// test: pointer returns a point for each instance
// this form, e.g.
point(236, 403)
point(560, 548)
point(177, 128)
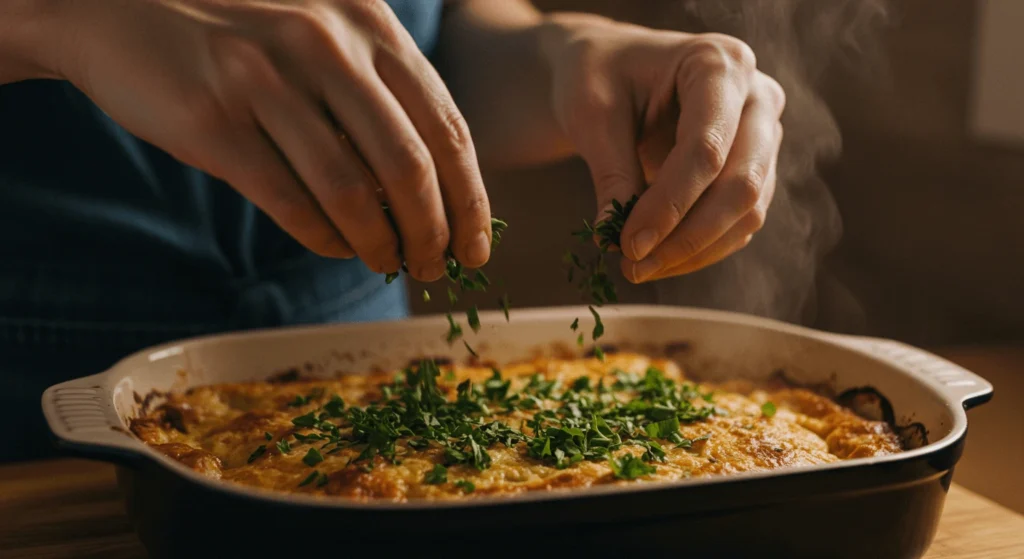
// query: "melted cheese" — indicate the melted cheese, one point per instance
point(215, 429)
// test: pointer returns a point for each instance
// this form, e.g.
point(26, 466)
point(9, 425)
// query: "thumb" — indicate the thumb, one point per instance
point(610, 151)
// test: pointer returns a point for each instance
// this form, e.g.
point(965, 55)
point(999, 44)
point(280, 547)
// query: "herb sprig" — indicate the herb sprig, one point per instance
point(591, 274)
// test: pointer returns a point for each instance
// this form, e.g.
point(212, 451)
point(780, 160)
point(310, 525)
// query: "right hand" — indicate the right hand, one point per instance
point(312, 109)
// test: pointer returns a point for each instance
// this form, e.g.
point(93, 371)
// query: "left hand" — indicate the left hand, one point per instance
point(691, 116)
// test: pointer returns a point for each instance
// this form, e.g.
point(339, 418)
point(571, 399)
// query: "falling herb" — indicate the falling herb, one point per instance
point(599, 353)
point(579, 340)
point(598, 325)
point(454, 330)
point(473, 318)
point(452, 298)
point(390, 277)
point(436, 476)
point(504, 305)
point(575, 325)
point(465, 485)
point(768, 410)
point(591, 276)
point(470, 349)
point(426, 296)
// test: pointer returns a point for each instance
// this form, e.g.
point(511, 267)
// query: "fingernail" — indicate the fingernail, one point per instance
point(643, 242)
point(478, 250)
point(645, 269)
point(432, 270)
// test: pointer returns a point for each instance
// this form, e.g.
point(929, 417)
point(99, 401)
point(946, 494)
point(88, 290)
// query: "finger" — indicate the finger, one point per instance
point(734, 240)
point(730, 197)
point(248, 161)
point(386, 139)
point(329, 168)
point(711, 103)
point(423, 95)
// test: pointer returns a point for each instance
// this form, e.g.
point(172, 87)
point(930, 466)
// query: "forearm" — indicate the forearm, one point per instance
point(496, 58)
point(28, 38)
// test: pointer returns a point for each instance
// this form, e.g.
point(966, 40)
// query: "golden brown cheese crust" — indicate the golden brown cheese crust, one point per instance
point(215, 429)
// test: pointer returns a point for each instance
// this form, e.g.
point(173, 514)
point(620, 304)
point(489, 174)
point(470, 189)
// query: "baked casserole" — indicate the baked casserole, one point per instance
point(458, 432)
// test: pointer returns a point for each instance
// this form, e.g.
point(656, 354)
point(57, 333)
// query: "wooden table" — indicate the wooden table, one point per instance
point(71, 508)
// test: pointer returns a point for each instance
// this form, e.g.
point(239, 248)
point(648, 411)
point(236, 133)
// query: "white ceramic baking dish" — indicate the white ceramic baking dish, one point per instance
point(897, 499)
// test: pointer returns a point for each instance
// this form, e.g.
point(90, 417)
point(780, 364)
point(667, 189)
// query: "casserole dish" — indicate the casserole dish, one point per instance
point(886, 506)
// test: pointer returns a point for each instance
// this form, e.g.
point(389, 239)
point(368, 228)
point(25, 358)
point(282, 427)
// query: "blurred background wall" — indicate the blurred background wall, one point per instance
point(914, 230)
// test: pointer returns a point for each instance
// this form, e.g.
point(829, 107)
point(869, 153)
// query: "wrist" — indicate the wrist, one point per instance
point(30, 39)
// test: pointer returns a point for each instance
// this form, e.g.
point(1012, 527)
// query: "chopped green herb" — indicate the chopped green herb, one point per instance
point(497, 228)
point(473, 318)
point(454, 330)
point(260, 450)
point(630, 467)
point(598, 325)
point(465, 485)
point(470, 349)
point(268, 436)
point(599, 353)
point(504, 305)
point(312, 457)
point(310, 478)
point(283, 446)
point(452, 298)
point(575, 325)
point(335, 407)
point(579, 340)
point(426, 296)
point(390, 277)
point(436, 476)
point(768, 409)
point(322, 481)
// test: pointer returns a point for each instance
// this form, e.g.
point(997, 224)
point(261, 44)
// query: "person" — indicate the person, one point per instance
point(182, 167)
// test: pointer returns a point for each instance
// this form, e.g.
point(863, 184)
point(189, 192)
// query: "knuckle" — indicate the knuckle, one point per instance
point(304, 30)
point(413, 167)
point(723, 52)
point(711, 151)
point(748, 188)
point(454, 129)
point(775, 93)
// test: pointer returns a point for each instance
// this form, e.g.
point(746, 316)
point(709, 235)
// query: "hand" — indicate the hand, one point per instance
point(691, 116)
point(314, 110)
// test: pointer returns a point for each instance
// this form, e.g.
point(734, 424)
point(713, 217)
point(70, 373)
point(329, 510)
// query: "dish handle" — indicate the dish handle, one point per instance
point(83, 419)
point(949, 378)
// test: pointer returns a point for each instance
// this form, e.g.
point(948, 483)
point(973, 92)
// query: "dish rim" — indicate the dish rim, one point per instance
point(956, 387)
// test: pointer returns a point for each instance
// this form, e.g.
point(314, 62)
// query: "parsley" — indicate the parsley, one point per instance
point(599, 353)
point(473, 318)
point(454, 330)
point(268, 436)
point(390, 277)
point(630, 467)
point(310, 478)
point(283, 446)
point(260, 450)
point(579, 339)
point(312, 457)
point(768, 410)
point(436, 476)
point(504, 305)
point(335, 407)
point(598, 325)
point(308, 420)
point(470, 349)
point(426, 296)
point(465, 485)
point(497, 228)
point(575, 325)
point(452, 298)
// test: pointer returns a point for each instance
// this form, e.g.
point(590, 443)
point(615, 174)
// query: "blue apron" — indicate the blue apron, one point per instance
point(109, 245)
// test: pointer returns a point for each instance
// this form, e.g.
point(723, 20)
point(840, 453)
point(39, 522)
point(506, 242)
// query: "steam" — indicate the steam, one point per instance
point(795, 42)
